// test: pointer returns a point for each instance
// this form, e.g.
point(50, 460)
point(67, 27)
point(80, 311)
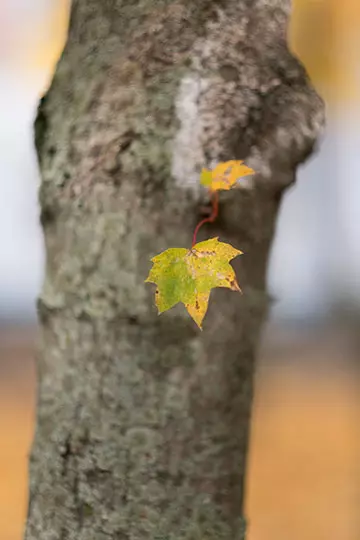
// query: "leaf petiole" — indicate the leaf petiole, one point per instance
point(211, 218)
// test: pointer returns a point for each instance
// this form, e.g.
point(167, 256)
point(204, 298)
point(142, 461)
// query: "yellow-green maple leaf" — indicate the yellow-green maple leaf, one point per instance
point(188, 275)
point(225, 175)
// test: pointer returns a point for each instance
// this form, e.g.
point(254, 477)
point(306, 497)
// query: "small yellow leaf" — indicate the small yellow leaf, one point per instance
point(188, 275)
point(225, 175)
point(206, 177)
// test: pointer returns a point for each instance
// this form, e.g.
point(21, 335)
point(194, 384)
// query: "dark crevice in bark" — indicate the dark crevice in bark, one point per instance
point(40, 127)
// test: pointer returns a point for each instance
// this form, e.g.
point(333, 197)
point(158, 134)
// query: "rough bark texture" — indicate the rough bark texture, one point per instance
point(143, 421)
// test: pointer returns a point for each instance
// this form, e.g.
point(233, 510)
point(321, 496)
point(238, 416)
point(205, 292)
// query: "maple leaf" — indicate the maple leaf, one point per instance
point(224, 175)
point(188, 275)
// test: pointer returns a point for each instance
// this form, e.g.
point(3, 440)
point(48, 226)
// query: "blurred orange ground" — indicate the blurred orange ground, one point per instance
point(304, 470)
point(304, 466)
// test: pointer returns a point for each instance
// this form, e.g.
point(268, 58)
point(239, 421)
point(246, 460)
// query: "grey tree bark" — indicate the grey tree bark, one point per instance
point(143, 421)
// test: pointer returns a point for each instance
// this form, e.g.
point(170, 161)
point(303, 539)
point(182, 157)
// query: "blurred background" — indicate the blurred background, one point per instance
point(304, 469)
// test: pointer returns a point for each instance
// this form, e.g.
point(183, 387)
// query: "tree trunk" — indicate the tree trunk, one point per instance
point(143, 421)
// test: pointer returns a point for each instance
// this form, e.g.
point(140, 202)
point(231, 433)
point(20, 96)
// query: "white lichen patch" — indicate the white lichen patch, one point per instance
point(188, 154)
point(259, 162)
